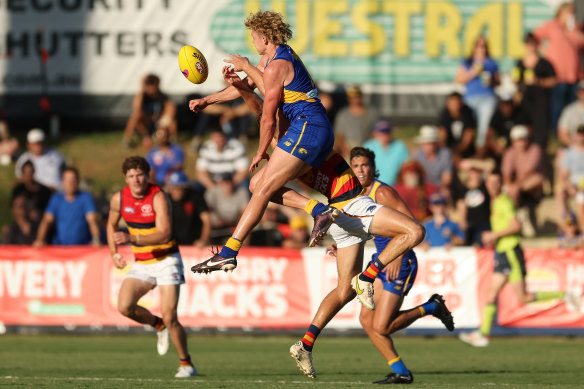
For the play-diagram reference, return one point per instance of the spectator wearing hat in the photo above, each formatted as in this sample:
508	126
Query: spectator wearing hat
219	157
570	236
440	230
414	189
226	202
48	163
457	128
390	153
353	123
72	213
522	173
571	187
436	161
166	157
299	234
535	77
191	219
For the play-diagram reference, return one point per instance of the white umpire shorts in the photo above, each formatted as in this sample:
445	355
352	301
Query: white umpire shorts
353	224
169	271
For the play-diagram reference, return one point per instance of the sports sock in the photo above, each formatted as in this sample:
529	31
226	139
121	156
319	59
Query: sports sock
372	271
540	296
231	248
427	308
158	324
314	207
398	366
185	361
310	337
488	317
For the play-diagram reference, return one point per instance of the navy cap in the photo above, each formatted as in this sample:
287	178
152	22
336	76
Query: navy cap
177	178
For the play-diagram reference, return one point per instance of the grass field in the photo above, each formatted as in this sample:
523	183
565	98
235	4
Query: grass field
70	361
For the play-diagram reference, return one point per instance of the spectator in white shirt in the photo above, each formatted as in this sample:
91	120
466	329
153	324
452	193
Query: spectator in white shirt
48	163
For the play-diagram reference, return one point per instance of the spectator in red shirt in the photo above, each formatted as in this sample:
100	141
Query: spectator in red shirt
414	189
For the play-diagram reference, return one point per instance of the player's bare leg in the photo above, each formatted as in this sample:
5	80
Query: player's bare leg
169	295
349	262
405	232
131	291
281	168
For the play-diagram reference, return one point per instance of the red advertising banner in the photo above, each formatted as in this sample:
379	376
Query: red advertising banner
272	288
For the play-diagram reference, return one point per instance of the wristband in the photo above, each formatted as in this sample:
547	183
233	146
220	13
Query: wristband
95	239
137	239
117	256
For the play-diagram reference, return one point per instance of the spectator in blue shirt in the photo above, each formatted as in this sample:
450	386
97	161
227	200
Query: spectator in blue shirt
440	230
390	154
72	213
166	157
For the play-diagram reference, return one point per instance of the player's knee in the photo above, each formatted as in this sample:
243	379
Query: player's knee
125	309
380	328
346	293
366	322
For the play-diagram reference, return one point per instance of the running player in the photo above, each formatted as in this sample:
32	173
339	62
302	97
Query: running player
509	263
309	138
144	208
395	281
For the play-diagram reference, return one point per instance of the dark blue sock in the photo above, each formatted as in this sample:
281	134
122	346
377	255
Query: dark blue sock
429	307
318	208
400	368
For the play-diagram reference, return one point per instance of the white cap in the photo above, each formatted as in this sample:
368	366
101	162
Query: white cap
36	135
428	134
519	131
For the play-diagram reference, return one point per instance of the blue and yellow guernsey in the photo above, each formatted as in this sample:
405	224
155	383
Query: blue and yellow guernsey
380	241
300	96
139	215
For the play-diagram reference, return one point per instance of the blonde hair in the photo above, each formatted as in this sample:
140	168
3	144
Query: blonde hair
271	25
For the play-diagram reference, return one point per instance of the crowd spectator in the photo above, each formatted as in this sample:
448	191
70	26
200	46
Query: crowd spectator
572	118
390	153
191	219
267	233
234	118
48	163
166	157
561	40
457	128
226	203
480	74
23	229
73	215
9	146
507	115
535	77
436	160
414	189
440	230
572	178
149	106
570	236
299	234
473	206
36	194
522	173
353	123
219	157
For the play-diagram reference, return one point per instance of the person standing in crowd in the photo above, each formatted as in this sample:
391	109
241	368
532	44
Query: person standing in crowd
48	163
72	213
473	206
535	77
144	208
191	219
457	128
571	182
166	157
561	40
480	74
504	237
149	106
353	123
390	153
23	229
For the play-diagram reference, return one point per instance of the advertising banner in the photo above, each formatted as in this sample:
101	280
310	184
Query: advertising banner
271	288
105	47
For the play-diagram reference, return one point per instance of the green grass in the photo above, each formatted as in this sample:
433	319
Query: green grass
69	361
